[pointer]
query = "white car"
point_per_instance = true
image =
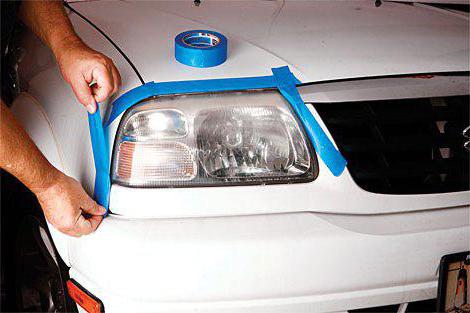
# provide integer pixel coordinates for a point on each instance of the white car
(388, 83)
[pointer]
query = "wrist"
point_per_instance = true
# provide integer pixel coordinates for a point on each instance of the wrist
(63, 46)
(47, 181)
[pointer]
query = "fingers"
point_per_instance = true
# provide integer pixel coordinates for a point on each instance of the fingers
(83, 93)
(80, 225)
(90, 217)
(91, 68)
(107, 80)
(85, 226)
(69, 208)
(104, 83)
(117, 78)
(91, 207)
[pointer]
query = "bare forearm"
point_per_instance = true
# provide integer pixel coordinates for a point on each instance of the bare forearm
(62, 199)
(48, 20)
(79, 64)
(20, 156)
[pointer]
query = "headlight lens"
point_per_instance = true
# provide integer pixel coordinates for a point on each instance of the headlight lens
(211, 139)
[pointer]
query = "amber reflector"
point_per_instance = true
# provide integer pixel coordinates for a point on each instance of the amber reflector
(83, 298)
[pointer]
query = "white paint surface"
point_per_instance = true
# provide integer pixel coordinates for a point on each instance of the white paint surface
(271, 263)
(260, 262)
(317, 39)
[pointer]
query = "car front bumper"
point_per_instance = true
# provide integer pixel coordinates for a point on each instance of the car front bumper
(267, 263)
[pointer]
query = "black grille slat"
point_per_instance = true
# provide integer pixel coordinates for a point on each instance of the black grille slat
(406, 146)
(414, 117)
(398, 144)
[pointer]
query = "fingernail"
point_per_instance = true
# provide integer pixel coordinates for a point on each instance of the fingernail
(102, 210)
(91, 108)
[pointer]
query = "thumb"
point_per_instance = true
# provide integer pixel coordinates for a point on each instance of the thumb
(93, 208)
(84, 93)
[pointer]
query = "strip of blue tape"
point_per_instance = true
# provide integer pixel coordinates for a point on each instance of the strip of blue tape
(326, 150)
(101, 159)
(282, 79)
(151, 89)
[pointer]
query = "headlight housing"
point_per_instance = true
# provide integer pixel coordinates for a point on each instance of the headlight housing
(249, 137)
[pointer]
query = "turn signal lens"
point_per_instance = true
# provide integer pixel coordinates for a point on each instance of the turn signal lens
(146, 163)
(83, 298)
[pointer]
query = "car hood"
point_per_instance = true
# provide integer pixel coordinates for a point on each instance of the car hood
(318, 39)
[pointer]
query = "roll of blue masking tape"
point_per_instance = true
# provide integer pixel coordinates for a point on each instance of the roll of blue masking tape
(201, 48)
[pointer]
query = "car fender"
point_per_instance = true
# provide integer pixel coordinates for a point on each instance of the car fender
(52, 116)
(34, 120)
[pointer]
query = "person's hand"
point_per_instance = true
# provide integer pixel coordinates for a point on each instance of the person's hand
(69, 208)
(81, 67)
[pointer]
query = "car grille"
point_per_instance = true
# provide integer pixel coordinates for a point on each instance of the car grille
(409, 146)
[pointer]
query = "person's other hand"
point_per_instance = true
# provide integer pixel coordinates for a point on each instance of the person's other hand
(81, 67)
(69, 208)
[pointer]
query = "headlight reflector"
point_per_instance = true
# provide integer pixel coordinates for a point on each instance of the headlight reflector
(252, 141)
(211, 139)
(158, 124)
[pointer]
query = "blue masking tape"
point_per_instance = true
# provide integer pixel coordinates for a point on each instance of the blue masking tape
(201, 48)
(151, 89)
(282, 79)
(101, 159)
(323, 145)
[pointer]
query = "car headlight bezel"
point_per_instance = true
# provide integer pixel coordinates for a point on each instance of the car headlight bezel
(199, 180)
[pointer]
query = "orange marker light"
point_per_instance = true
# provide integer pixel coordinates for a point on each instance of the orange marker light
(83, 298)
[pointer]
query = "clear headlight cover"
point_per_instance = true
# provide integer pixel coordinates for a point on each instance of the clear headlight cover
(211, 139)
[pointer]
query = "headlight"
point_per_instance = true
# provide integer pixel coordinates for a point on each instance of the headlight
(211, 139)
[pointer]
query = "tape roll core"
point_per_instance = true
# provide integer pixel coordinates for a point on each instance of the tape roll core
(201, 48)
(201, 40)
